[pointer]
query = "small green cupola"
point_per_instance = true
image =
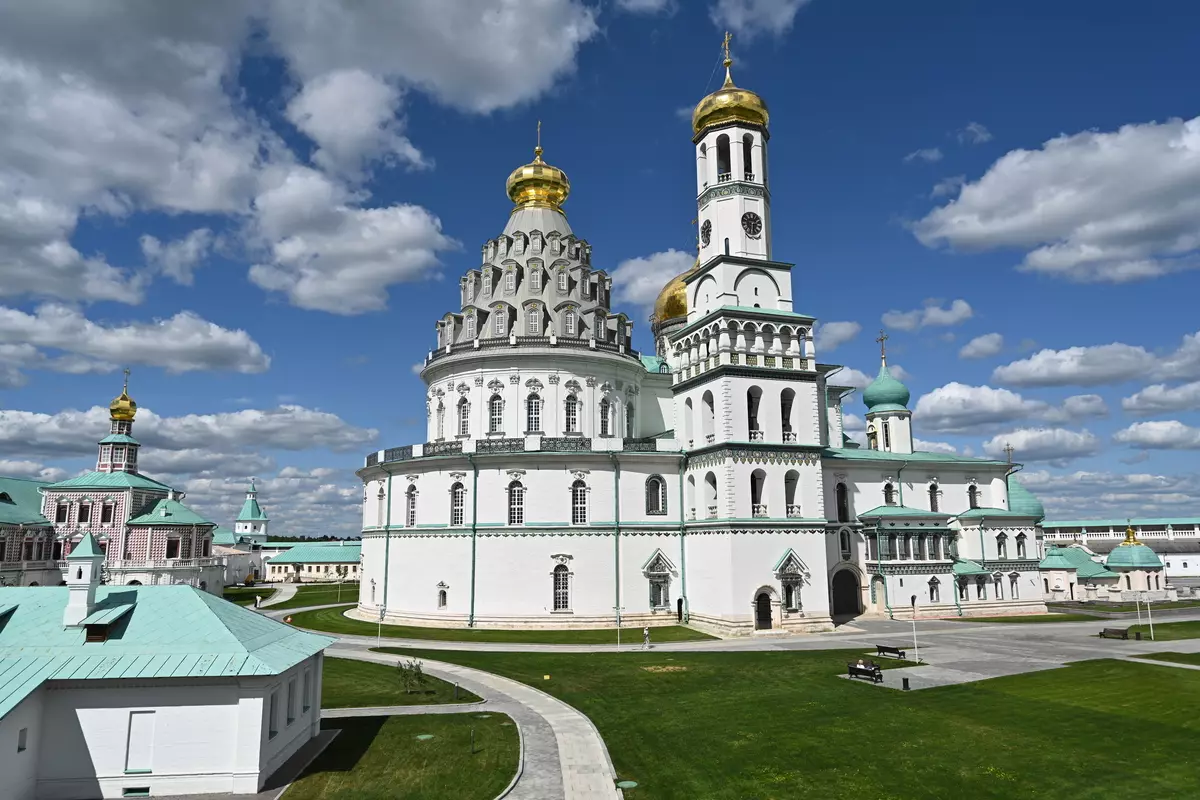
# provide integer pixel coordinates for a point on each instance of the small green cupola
(885, 392)
(251, 511)
(1132, 554)
(889, 422)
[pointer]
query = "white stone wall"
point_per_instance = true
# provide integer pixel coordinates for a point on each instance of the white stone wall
(19, 768)
(865, 483)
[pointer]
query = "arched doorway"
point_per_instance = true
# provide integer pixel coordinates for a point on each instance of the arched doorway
(134, 583)
(762, 612)
(846, 595)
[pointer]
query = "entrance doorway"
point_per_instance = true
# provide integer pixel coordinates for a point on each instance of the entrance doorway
(762, 612)
(846, 594)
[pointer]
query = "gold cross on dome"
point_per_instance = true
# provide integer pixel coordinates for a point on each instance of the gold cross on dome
(1008, 451)
(125, 388)
(725, 45)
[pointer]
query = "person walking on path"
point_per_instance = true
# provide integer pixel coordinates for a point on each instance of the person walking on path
(646, 638)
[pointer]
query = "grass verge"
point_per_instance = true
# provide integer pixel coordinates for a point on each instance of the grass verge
(782, 724)
(1178, 658)
(1169, 631)
(380, 758)
(1124, 607)
(319, 596)
(244, 595)
(332, 620)
(346, 683)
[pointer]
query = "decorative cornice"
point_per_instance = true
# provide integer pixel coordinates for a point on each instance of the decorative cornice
(732, 188)
(739, 371)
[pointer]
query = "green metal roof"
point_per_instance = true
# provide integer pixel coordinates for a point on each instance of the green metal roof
(119, 438)
(902, 511)
(171, 632)
(1121, 523)
(23, 504)
(863, 454)
(1132, 556)
(345, 553)
(251, 511)
(1055, 560)
(169, 512)
(651, 363)
(1083, 564)
(224, 537)
(963, 566)
(885, 392)
(982, 513)
(1023, 500)
(110, 480)
(107, 615)
(87, 548)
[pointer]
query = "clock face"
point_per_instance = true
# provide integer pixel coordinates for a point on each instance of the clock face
(752, 223)
(706, 232)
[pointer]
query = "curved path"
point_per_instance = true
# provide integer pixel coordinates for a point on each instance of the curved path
(283, 593)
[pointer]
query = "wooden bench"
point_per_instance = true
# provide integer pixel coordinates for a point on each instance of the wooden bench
(1114, 633)
(886, 650)
(870, 672)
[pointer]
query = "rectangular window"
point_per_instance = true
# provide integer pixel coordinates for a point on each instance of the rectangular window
(470, 326)
(291, 701)
(893, 548)
(570, 323)
(273, 715)
(487, 281)
(22, 740)
(106, 514)
(535, 280)
(85, 513)
(139, 746)
(510, 281)
(60, 512)
(306, 698)
(499, 322)
(572, 415)
(562, 280)
(496, 415)
(980, 590)
(579, 507)
(172, 548)
(905, 547)
(872, 549)
(936, 548)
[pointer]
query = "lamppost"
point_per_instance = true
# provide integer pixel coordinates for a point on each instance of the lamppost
(916, 648)
(618, 610)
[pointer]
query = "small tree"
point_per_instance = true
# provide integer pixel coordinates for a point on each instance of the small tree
(412, 677)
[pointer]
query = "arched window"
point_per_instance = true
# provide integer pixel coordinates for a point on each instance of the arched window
(710, 495)
(753, 399)
(516, 503)
(726, 245)
(562, 280)
(441, 420)
(605, 416)
(791, 481)
(843, 503)
(562, 588)
(1128, 583)
(487, 281)
(569, 322)
(498, 328)
(510, 280)
(1157, 581)
(889, 494)
(973, 496)
(688, 421)
(786, 400)
(496, 414)
(533, 321)
(535, 279)
(933, 497)
(872, 438)
(410, 507)
(630, 427)
(748, 156)
(457, 495)
(441, 598)
(935, 590)
(579, 509)
(708, 420)
(998, 586)
(533, 414)
(1013, 578)
(758, 480)
(571, 417)
(1002, 546)
(379, 511)
(1020, 545)
(723, 164)
(470, 326)
(464, 417)
(887, 436)
(656, 495)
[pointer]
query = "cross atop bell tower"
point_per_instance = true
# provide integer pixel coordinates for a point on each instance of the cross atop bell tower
(882, 339)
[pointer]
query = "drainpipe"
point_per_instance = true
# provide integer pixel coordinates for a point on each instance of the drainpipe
(899, 482)
(883, 562)
(616, 534)
(387, 544)
(474, 514)
(682, 550)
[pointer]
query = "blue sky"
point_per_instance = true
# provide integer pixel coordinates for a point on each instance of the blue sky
(261, 208)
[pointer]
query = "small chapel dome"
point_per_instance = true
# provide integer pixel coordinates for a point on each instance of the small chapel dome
(538, 184)
(885, 392)
(1023, 501)
(729, 104)
(1132, 554)
(123, 408)
(672, 300)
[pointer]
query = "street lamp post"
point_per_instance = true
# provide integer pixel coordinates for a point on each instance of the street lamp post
(916, 648)
(618, 610)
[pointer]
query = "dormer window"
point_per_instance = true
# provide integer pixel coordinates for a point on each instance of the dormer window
(569, 322)
(510, 280)
(499, 327)
(469, 291)
(535, 280)
(534, 321)
(562, 280)
(487, 281)
(470, 326)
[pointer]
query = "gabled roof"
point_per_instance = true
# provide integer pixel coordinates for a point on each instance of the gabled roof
(169, 512)
(1084, 566)
(23, 505)
(963, 566)
(327, 553)
(171, 632)
(110, 480)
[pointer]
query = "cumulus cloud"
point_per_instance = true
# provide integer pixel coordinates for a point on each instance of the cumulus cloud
(637, 281)
(1095, 206)
(947, 187)
(926, 154)
(973, 133)
(1160, 398)
(957, 407)
(1054, 445)
(753, 18)
(1170, 434)
(178, 259)
(1098, 495)
(982, 346)
(848, 376)
(1078, 407)
(932, 314)
(832, 335)
(853, 422)
(33, 470)
(646, 6)
(1101, 364)
(923, 446)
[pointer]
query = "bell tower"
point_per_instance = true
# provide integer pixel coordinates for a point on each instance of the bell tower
(734, 205)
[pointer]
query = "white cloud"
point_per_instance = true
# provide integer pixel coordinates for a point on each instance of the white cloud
(923, 446)
(853, 422)
(982, 346)
(974, 133)
(1168, 434)
(961, 408)
(1160, 398)
(1077, 407)
(352, 116)
(1092, 207)
(848, 376)
(1101, 364)
(1098, 495)
(1054, 445)
(178, 259)
(832, 335)
(752, 18)
(932, 314)
(416, 368)
(646, 6)
(300, 501)
(947, 187)
(637, 281)
(927, 154)
(31, 469)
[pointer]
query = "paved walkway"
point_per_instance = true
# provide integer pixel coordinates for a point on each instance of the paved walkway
(563, 756)
(283, 593)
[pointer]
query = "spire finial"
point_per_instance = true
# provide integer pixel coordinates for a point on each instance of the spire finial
(537, 151)
(882, 339)
(1008, 451)
(125, 387)
(728, 58)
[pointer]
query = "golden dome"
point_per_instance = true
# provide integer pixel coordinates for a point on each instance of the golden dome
(672, 300)
(729, 104)
(538, 185)
(123, 408)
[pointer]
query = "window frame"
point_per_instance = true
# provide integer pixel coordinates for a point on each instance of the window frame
(579, 504)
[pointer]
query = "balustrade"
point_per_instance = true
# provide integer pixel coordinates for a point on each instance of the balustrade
(756, 435)
(760, 509)
(793, 511)
(712, 512)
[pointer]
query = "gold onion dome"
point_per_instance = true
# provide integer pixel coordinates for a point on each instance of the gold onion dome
(729, 104)
(123, 407)
(538, 184)
(672, 300)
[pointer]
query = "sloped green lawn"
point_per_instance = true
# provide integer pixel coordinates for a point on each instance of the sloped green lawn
(346, 683)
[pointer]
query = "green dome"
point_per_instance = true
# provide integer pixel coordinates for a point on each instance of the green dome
(1023, 501)
(886, 393)
(1132, 554)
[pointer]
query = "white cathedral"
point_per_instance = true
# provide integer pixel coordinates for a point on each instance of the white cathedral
(568, 481)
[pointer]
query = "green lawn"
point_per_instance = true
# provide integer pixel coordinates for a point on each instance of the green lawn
(1169, 631)
(320, 595)
(244, 595)
(1179, 658)
(332, 620)
(380, 758)
(1126, 607)
(780, 725)
(360, 684)
(1031, 618)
